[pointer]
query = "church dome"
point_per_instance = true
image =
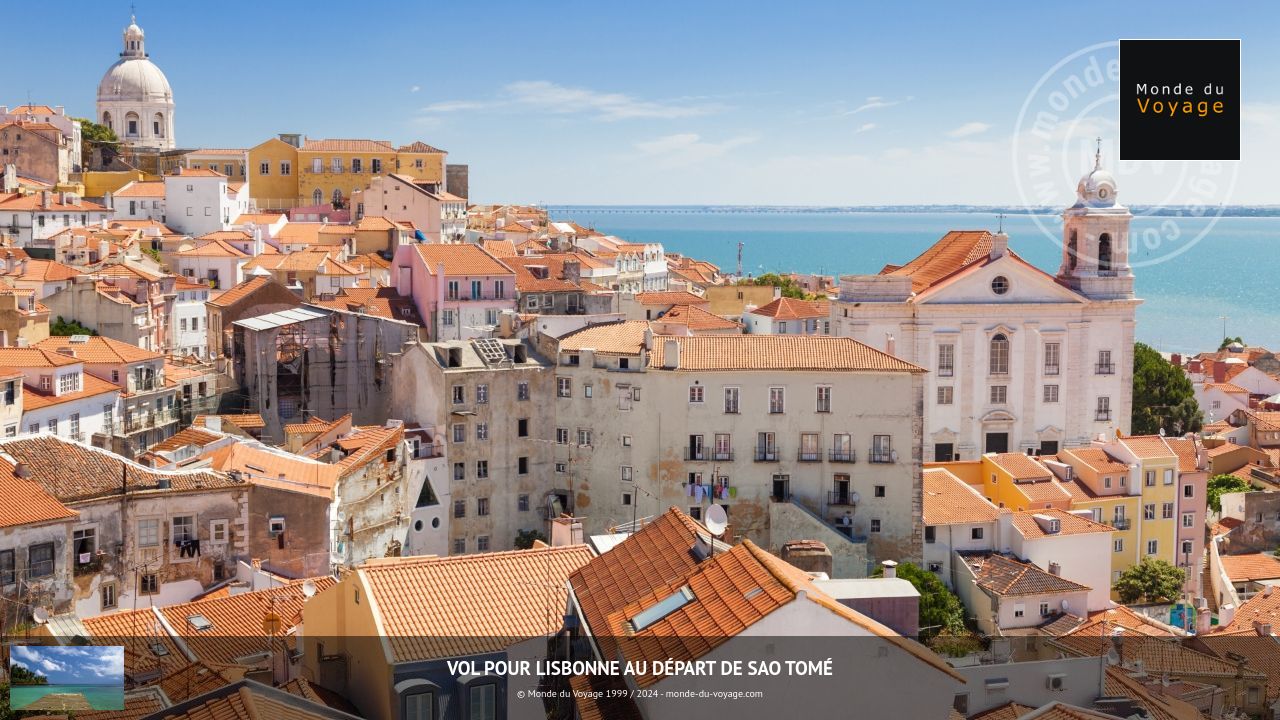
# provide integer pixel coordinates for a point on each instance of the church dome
(1098, 187)
(135, 78)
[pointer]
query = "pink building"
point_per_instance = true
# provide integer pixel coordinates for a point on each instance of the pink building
(459, 290)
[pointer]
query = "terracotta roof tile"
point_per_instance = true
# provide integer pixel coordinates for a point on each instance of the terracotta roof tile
(956, 250)
(27, 502)
(346, 145)
(697, 318)
(1148, 447)
(142, 188)
(948, 500)
(44, 271)
(98, 349)
(187, 437)
(381, 302)
(1097, 459)
(1254, 566)
(464, 259)
(214, 248)
(785, 308)
(433, 607)
(1007, 711)
(274, 468)
(670, 297)
(1069, 524)
(1008, 577)
(1020, 466)
(776, 352)
(615, 338)
(235, 294)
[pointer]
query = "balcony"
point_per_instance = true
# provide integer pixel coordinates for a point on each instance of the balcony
(1102, 416)
(1105, 369)
(475, 298)
(1119, 523)
(880, 456)
(432, 450)
(695, 453)
(842, 497)
(722, 454)
(810, 455)
(92, 567)
(766, 454)
(842, 456)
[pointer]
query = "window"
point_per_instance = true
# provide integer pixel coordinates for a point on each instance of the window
(149, 584)
(107, 593)
(586, 389)
(1052, 358)
(1000, 285)
(459, 432)
(83, 544)
(1168, 476)
(999, 394)
(184, 528)
(875, 525)
(1188, 491)
(522, 466)
(945, 394)
(626, 441)
(522, 427)
(75, 424)
(285, 168)
(1051, 393)
(1044, 609)
(724, 446)
(626, 473)
(562, 436)
(482, 393)
(459, 546)
(1188, 520)
(1104, 409)
(482, 431)
(930, 534)
(1019, 610)
(777, 400)
(1149, 511)
(40, 560)
(148, 532)
(824, 399)
(809, 451)
(482, 506)
(695, 393)
(446, 318)
(731, 400)
(1150, 478)
(459, 471)
(219, 532)
(8, 571)
(562, 468)
(376, 165)
(482, 471)
(1153, 547)
(53, 426)
(1186, 547)
(881, 451)
(626, 498)
(998, 360)
(264, 168)
(522, 503)
(975, 533)
(946, 360)
(357, 165)
(482, 543)
(1117, 545)
(1106, 482)
(564, 387)
(584, 437)
(481, 702)
(459, 508)
(420, 706)
(878, 491)
(1166, 511)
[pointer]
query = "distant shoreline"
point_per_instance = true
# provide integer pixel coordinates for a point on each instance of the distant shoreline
(1242, 211)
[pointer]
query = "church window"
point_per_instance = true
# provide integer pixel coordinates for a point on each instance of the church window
(1104, 253)
(317, 196)
(1000, 285)
(1071, 251)
(999, 355)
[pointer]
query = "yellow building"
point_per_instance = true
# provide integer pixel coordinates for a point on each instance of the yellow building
(228, 161)
(421, 162)
(273, 174)
(331, 170)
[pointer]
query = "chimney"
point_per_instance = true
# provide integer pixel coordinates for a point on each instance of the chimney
(999, 245)
(890, 345)
(45, 198)
(104, 248)
(890, 568)
(10, 178)
(1219, 372)
(671, 354)
(1055, 569)
(1263, 629)
(1175, 359)
(22, 470)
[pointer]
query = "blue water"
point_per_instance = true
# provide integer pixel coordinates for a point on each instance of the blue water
(101, 697)
(1185, 287)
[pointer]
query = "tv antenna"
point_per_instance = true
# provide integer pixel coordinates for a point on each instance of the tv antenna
(717, 522)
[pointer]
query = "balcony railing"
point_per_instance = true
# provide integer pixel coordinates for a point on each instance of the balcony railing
(695, 453)
(840, 497)
(722, 454)
(880, 456)
(428, 451)
(1105, 368)
(842, 456)
(1102, 416)
(1119, 523)
(475, 298)
(766, 454)
(814, 455)
(89, 568)
(1051, 369)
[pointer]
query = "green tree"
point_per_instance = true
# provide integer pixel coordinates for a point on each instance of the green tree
(526, 538)
(1151, 580)
(1227, 341)
(940, 610)
(789, 287)
(19, 675)
(65, 328)
(1219, 485)
(92, 136)
(1162, 396)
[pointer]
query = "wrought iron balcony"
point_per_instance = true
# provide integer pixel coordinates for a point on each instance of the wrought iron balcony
(766, 454)
(842, 456)
(1105, 368)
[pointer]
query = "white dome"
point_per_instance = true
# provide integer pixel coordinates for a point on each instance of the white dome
(135, 79)
(1098, 187)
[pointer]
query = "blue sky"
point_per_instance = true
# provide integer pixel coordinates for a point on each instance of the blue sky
(664, 102)
(87, 665)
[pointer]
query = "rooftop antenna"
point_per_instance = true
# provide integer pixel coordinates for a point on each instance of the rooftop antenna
(740, 244)
(1097, 156)
(1000, 227)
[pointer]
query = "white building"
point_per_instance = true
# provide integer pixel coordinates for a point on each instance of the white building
(55, 116)
(198, 202)
(59, 397)
(42, 215)
(789, 316)
(187, 321)
(134, 97)
(1066, 544)
(956, 518)
(1018, 359)
(140, 200)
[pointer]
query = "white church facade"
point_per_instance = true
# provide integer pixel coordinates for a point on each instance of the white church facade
(134, 97)
(1018, 360)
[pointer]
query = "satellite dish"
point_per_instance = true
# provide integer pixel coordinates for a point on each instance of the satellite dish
(40, 615)
(309, 588)
(717, 520)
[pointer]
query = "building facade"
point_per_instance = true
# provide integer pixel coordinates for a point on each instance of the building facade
(134, 97)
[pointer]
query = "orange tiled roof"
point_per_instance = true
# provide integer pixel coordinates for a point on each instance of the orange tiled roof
(27, 502)
(1097, 459)
(44, 271)
(785, 308)
(1253, 566)
(267, 218)
(464, 259)
(697, 318)
(244, 421)
(776, 352)
(214, 248)
(614, 338)
(344, 145)
(235, 294)
(98, 349)
(34, 398)
(190, 436)
(142, 188)
(670, 297)
(1008, 577)
(196, 172)
(434, 607)
(1020, 466)
(420, 147)
(276, 468)
(1260, 653)
(1069, 524)
(603, 697)
(35, 201)
(955, 251)
(1148, 447)
(948, 500)
(1008, 711)
(33, 357)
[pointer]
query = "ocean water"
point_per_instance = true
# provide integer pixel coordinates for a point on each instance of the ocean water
(101, 697)
(1186, 286)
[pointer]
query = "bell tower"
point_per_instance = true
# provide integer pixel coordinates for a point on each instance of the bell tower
(1095, 238)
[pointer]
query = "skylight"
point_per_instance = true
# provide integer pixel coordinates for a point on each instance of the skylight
(199, 622)
(663, 608)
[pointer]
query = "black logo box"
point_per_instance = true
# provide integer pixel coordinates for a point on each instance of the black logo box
(1205, 73)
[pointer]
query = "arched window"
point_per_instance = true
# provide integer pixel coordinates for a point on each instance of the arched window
(106, 120)
(1104, 253)
(999, 359)
(1071, 251)
(157, 125)
(317, 197)
(337, 198)
(131, 125)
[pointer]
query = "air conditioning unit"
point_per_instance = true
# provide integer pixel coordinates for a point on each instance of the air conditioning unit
(935, 567)
(1056, 682)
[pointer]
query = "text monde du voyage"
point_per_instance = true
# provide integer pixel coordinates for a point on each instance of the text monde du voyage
(1180, 99)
